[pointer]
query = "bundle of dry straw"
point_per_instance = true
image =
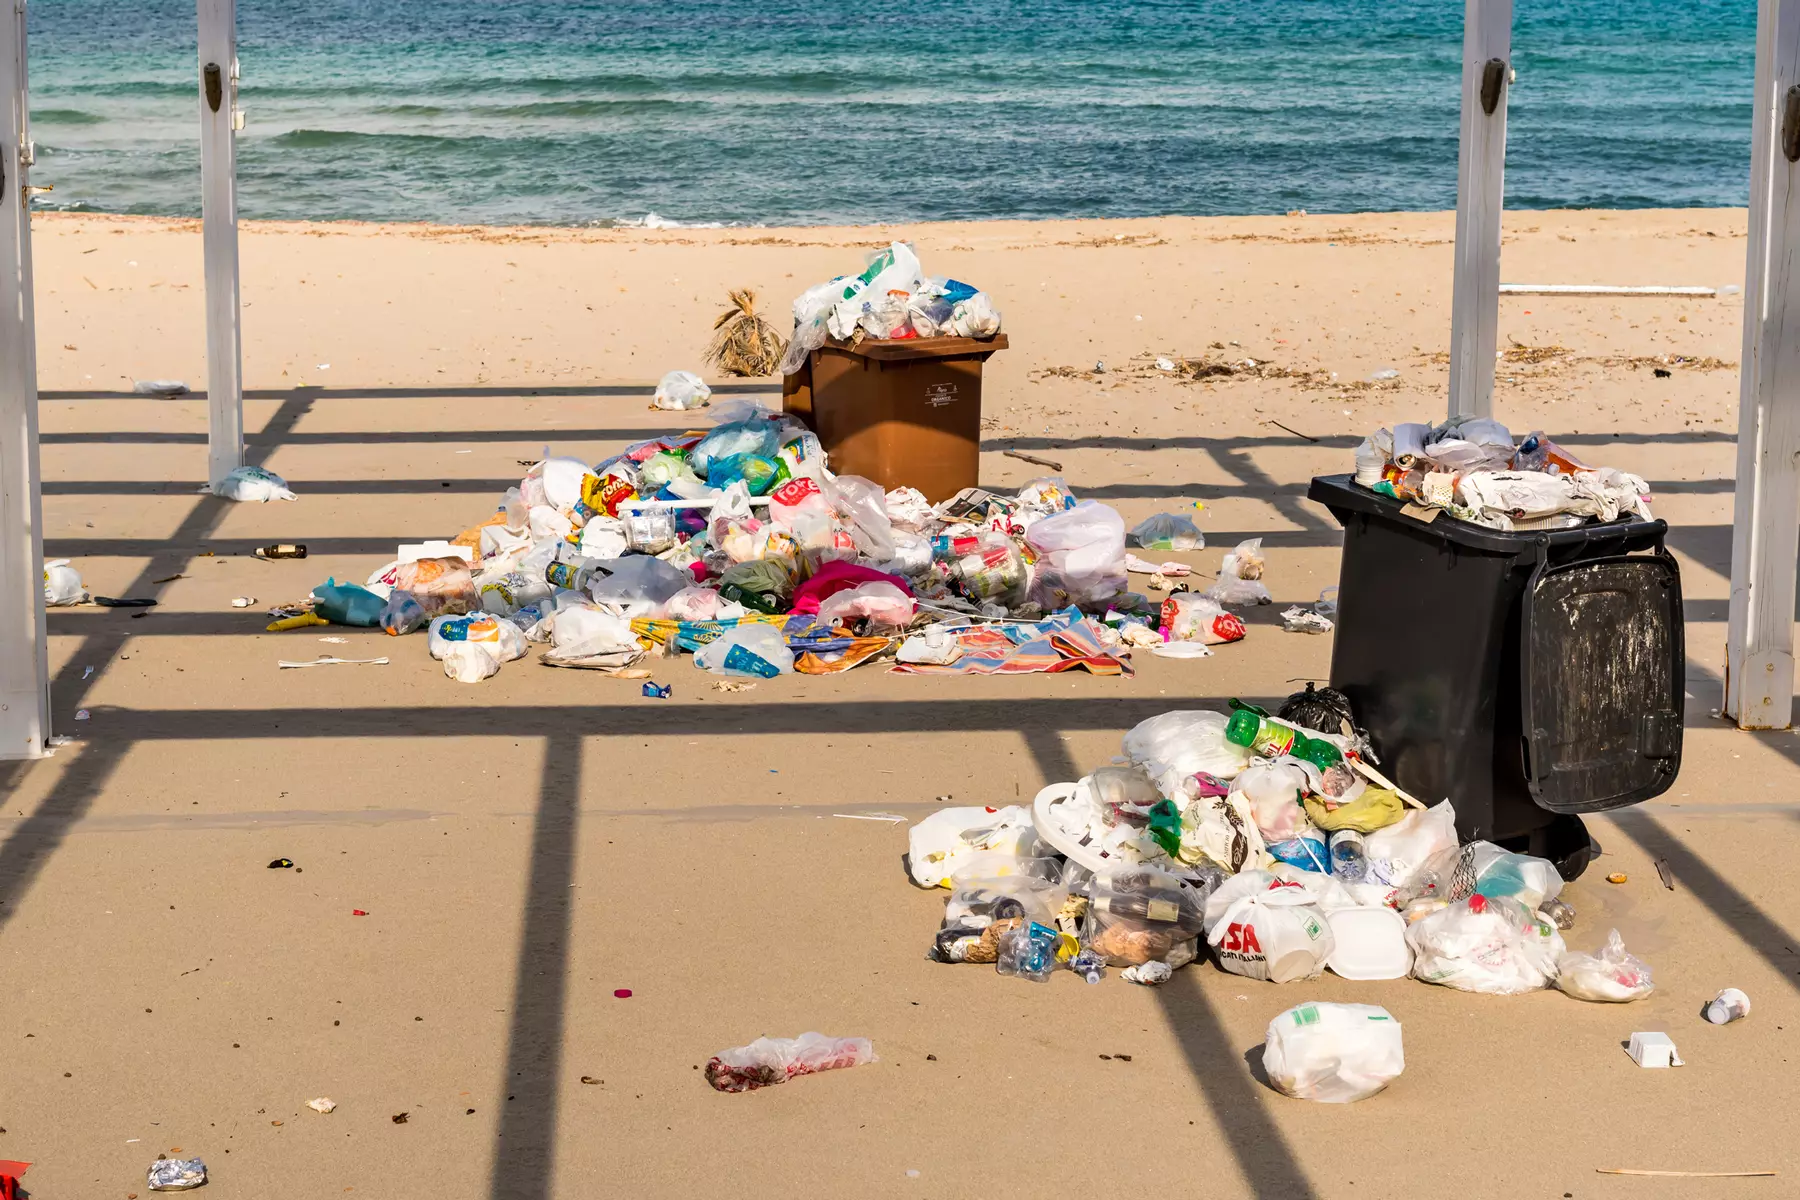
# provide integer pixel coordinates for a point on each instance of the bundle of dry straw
(743, 343)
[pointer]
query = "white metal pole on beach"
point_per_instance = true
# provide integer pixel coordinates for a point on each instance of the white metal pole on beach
(1480, 195)
(1759, 648)
(219, 123)
(24, 661)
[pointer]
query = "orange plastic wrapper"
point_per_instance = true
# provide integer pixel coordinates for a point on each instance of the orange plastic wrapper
(442, 586)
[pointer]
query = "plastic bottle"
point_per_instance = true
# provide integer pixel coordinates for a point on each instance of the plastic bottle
(1349, 856)
(1029, 952)
(1727, 1006)
(1271, 738)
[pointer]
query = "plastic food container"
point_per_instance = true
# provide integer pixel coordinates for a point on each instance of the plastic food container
(1371, 944)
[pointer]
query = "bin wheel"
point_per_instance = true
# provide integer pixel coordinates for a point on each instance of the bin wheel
(1569, 846)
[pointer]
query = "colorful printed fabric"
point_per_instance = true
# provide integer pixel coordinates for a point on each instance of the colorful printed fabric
(1061, 642)
(819, 648)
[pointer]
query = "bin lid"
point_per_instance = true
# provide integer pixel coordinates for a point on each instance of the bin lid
(1603, 660)
(906, 349)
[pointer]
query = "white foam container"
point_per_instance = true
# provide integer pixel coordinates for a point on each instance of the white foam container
(1371, 943)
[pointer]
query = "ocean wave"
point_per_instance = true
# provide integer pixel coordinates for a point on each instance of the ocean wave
(65, 116)
(326, 139)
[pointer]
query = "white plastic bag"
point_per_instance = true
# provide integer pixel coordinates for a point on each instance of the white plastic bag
(863, 504)
(1083, 556)
(496, 634)
(1608, 975)
(694, 604)
(1399, 852)
(560, 480)
(1179, 744)
(756, 650)
(1333, 1053)
(975, 317)
(1265, 927)
(681, 390)
(1274, 790)
(581, 633)
(1168, 531)
(1240, 576)
(252, 485)
(941, 844)
(62, 584)
(1481, 945)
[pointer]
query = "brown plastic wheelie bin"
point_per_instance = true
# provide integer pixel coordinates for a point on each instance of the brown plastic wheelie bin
(904, 413)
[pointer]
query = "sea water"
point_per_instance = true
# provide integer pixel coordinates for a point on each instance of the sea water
(791, 112)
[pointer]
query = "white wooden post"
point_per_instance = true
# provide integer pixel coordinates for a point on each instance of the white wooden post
(1759, 650)
(24, 662)
(219, 122)
(1480, 196)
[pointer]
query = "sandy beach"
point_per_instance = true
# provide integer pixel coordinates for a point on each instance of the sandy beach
(526, 846)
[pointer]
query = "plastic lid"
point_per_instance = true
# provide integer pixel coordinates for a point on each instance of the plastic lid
(1371, 943)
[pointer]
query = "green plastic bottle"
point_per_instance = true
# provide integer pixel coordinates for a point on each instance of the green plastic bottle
(1250, 726)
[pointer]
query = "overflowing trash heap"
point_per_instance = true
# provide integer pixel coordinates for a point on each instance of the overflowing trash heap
(1473, 469)
(672, 546)
(1269, 842)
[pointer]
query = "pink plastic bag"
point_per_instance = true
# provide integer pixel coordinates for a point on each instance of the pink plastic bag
(768, 1061)
(835, 577)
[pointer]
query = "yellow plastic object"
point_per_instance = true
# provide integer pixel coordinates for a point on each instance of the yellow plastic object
(1618, 877)
(299, 622)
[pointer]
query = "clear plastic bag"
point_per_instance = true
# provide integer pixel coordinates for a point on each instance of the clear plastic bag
(1240, 575)
(1082, 556)
(1168, 531)
(943, 843)
(1142, 914)
(768, 1061)
(1400, 851)
(756, 650)
(755, 436)
(1194, 617)
(1608, 975)
(442, 586)
(1333, 1053)
(880, 603)
(1456, 872)
(680, 390)
(1175, 745)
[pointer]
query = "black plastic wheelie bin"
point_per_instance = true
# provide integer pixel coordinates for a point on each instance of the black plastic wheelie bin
(1526, 677)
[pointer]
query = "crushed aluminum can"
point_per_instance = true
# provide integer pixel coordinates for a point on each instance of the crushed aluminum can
(176, 1174)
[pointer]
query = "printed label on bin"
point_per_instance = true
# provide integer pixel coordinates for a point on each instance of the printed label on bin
(939, 394)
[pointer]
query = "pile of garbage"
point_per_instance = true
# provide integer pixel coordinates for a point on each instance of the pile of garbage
(1471, 468)
(892, 298)
(1273, 843)
(739, 545)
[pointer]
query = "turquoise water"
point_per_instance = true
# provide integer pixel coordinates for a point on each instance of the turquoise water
(781, 112)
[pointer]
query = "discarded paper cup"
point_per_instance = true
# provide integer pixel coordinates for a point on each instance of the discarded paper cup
(1727, 1007)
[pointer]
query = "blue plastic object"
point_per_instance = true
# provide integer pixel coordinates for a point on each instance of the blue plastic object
(347, 604)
